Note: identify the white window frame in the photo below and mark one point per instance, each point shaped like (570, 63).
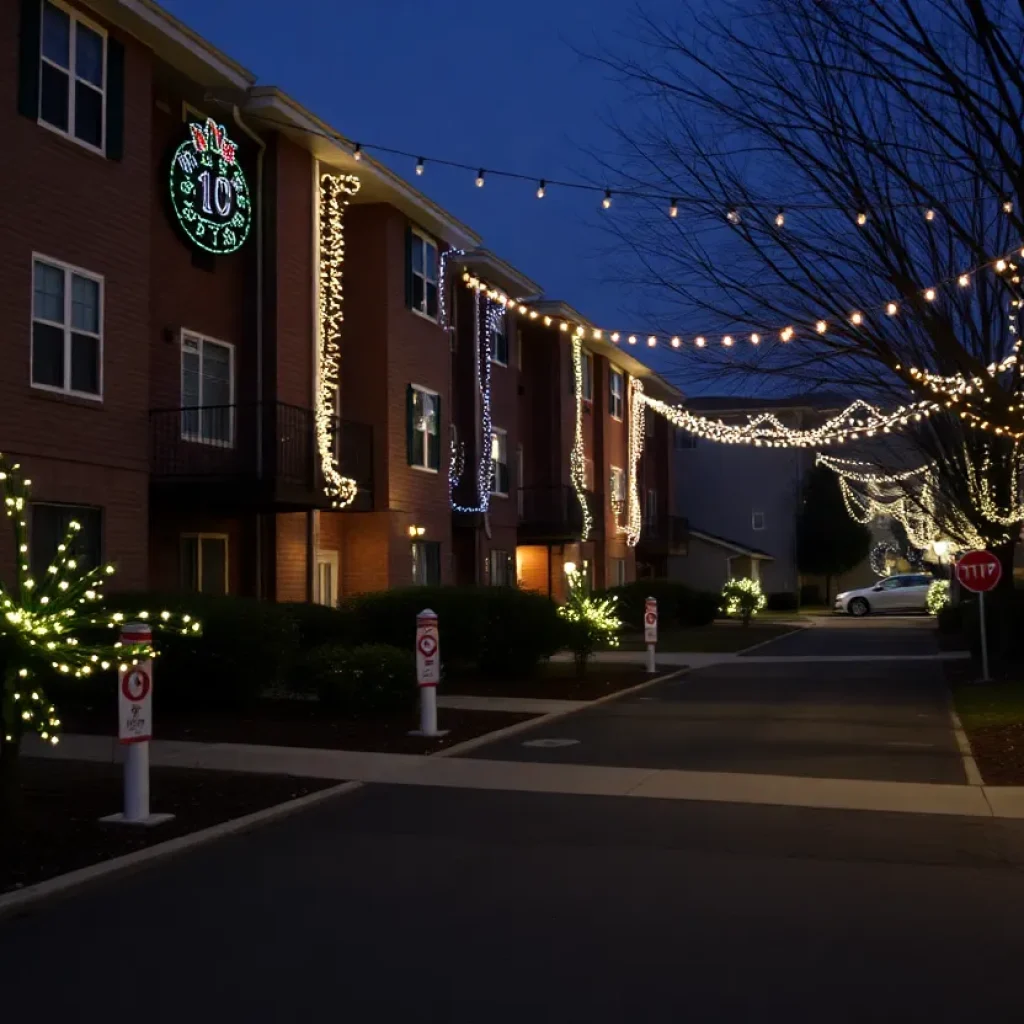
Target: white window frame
(330, 559)
(616, 398)
(496, 431)
(618, 492)
(76, 19)
(503, 316)
(423, 239)
(199, 538)
(424, 466)
(755, 517)
(68, 270)
(204, 340)
(619, 572)
(509, 568)
(587, 374)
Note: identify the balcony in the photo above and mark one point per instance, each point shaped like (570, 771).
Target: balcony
(259, 455)
(664, 535)
(552, 515)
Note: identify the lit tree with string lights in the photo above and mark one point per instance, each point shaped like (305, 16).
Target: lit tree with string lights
(53, 626)
(847, 214)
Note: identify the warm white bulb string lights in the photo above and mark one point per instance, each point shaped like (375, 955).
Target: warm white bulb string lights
(335, 190)
(577, 456)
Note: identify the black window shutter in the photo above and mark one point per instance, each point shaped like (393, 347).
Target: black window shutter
(410, 433)
(434, 440)
(115, 99)
(408, 267)
(30, 40)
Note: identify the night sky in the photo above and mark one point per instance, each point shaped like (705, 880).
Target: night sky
(496, 85)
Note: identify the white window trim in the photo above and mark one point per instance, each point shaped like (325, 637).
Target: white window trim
(612, 470)
(494, 476)
(618, 375)
(205, 340)
(199, 538)
(423, 237)
(422, 467)
(68, 269)
(76, 18)
(494, 347)
(753, 521)
(421, 542)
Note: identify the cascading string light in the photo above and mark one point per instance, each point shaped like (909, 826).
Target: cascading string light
(335, 190)
(578, 455)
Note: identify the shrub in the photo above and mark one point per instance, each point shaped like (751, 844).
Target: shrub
(491, 629)
(783, 601)
(950, 619)
(1004, 617)
(678, 604)
(367, 680)
(316, 625)
(938, 596)
(742, 597)
(246, 646)
(591, 620)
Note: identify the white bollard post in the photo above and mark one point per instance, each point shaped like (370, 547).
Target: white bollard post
(428, 672)
(135, 727)
(651, 632)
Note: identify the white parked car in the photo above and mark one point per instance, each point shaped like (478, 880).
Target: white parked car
(908, 593)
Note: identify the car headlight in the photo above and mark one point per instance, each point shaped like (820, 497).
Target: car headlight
(843, 596)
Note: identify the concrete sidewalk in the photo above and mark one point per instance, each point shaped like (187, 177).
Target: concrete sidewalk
(567, 779)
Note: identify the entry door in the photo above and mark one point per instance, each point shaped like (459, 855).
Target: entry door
(327, 578)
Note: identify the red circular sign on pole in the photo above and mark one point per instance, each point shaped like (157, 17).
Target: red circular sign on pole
(979, 571)
(427, 645)
(135, 685)
(651, 618)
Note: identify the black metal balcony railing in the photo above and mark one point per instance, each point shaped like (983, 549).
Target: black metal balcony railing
(271, 444)
(553, 513)
(666, 534)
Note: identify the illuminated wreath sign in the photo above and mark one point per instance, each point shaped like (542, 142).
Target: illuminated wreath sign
(209, 192)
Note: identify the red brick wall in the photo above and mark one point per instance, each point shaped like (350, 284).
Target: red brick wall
(74, 205)
(165, 547)
(292, 530)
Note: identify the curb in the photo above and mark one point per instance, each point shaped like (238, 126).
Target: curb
(971, 769)
(51, 888)
(512, 730)
(774, 640)
(19, 899)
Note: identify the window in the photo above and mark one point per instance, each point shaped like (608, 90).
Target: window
(588, 474)
(422, 275)
(423, 409)
(502, 573)
(651, 508)
(499, 339)
(204, 563)
(615, 385)
(426, 563)
(499, 462)
(49, 528)
(618, 572)
(683, 440)
(207, 390)
(72, 86)
(587, 366)
(757, 520)
(617, 485)
(67, 329)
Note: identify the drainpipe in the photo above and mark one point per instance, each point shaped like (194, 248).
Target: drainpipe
(237, 114)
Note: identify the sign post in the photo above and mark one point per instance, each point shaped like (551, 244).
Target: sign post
(980, 572)
(650, 630)
(428, 672)
(135, 728)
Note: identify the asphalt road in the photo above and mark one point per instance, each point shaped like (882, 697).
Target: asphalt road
(453, 906)
(873, 720)
(460, 907)
(879, 635)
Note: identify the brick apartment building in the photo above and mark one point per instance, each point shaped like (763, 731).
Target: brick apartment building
(170, 278)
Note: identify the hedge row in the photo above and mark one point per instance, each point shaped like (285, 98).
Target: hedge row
(248, 647)
(678, 604)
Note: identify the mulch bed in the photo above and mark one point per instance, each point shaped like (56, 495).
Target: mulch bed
(556, 681)
(294, 723)
(58, 830)
(999, 751)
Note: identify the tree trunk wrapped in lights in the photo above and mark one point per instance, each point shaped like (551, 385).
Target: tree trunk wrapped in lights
(52, 626)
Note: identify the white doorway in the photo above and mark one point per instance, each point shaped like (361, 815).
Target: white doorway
(327, 578)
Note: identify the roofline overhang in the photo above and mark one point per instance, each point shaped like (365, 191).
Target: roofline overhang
(269, 100)
(739, 549)
(502, 274)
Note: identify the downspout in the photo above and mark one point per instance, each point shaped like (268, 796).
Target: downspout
(262, 149)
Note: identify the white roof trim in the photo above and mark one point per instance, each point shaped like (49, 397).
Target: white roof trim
(739, 549)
